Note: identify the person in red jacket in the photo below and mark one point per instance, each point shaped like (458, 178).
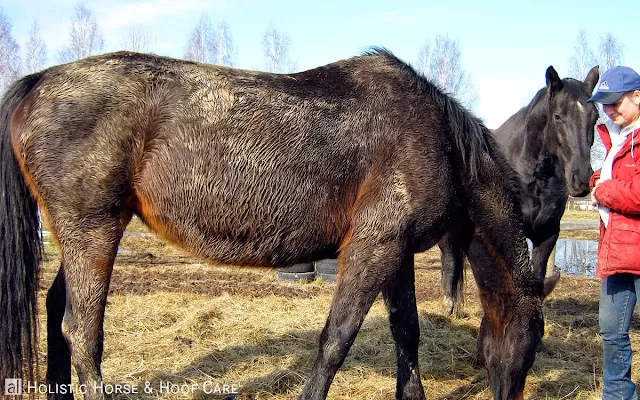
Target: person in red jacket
(616, 191)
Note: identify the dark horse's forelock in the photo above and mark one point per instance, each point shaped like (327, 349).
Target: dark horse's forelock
(538, 107)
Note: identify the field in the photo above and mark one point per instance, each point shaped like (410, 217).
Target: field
(179, 328)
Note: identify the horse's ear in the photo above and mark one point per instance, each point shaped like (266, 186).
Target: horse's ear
(554, 83)
(592, 78)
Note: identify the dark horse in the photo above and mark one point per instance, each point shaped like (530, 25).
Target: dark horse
(548, 143)
(363, 158)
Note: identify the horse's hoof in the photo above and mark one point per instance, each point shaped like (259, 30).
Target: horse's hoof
(449, 305)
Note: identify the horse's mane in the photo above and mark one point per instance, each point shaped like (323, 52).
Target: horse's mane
(471, 136)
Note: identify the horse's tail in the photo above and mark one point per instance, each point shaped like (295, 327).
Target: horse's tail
(20, 252)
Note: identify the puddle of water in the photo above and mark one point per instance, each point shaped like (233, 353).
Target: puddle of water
(577, 257)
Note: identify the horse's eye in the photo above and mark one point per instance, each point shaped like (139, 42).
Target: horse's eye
(557, 117)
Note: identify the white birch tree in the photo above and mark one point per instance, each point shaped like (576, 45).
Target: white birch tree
(276, 46)
(35, 50)
(138, 40)
(582, 59)
(440, 61)
(611, 52)
(84, 34)
(10, 65)
(211, 45)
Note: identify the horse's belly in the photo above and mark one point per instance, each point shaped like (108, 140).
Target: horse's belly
(275, 220)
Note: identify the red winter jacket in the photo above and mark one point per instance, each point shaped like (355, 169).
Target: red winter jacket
(619, 245)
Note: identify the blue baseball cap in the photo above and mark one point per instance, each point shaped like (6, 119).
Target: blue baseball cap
(615, 83)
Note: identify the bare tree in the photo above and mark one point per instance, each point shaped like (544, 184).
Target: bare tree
(582, 59)
(85, 36)
(210, 45)
(9, 54)
(137, 39)
(276, 47)
(224, 46)
(35, 50)
(200, 41)
(611, 53)
(441, 63)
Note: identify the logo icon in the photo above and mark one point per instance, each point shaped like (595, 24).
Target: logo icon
(604, 85)
(12, 387)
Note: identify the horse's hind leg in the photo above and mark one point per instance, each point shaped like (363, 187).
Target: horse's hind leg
(400, 297)
(58, 352)
(88, 248)
(452, 260)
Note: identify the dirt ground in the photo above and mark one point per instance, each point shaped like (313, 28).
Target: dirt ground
(185, 329)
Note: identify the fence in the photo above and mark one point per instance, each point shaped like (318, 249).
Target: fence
(579, 204)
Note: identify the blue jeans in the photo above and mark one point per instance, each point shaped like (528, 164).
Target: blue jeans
(617, 300)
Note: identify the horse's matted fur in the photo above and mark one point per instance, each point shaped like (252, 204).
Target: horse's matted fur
(362, 158)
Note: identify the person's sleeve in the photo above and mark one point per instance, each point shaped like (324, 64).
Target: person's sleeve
(618, 195)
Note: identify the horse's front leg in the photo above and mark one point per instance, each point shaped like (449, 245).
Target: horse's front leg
(400, 297)
(363, 270)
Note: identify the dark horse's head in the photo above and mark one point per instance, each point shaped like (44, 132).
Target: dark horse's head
(569, 127)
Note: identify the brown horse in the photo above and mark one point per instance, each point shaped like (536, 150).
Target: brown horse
(363, 158)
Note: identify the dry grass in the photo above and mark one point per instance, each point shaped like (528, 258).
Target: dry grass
(580, 215)
(171, 318)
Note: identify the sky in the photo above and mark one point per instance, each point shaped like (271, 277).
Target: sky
(506, 46)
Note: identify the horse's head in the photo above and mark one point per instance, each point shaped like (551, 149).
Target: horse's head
(570, 126)
(508, 350)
